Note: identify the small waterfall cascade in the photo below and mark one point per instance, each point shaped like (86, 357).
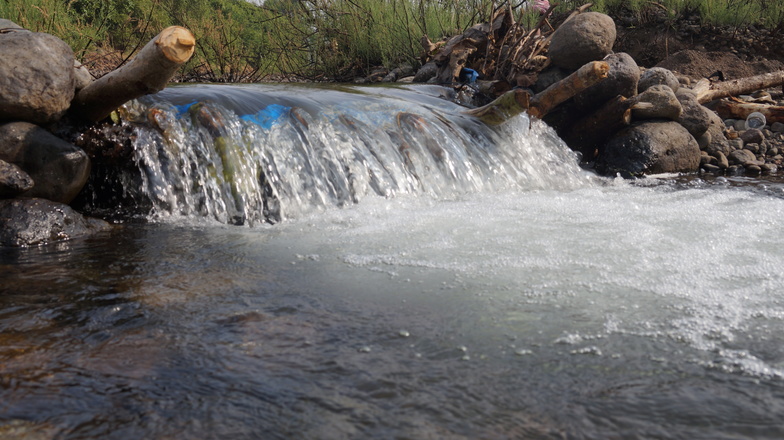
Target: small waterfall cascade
(262, 153)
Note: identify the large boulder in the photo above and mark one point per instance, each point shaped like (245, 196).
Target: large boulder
(32, 222)
(37, 81)
(587, 37)
(58, 168)
(649, 148)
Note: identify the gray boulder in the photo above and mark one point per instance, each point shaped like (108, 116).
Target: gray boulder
(649, 148)
(58, 168)
(32, 222)
(658, 76)
(37, 80)
(660, 103)
(13, 181)
(695, 116)
(587, 37)
(621, 80)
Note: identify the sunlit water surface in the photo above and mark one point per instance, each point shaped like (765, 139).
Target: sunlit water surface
(588, 310)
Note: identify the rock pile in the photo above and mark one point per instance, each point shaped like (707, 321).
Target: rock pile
(637, 121)
(39, 77)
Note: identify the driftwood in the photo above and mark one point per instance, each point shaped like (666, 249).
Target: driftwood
(707, 91)
(517, 101)
(149, 72)
(733, 109)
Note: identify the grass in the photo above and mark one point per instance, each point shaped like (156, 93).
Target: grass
(313, 39)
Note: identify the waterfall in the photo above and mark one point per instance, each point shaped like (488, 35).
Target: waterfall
(247, 154)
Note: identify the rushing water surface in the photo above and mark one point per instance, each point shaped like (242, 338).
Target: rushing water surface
(484, 286)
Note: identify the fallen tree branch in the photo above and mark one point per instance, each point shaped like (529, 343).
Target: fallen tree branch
(730, 109)
(707, 91)
(149, 72)
(517, 101)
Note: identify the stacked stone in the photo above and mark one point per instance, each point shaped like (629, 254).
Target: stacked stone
(39, 77)
(666, 122)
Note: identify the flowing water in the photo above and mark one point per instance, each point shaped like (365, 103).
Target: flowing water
(401, 272)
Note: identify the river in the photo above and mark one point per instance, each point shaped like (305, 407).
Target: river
(481, 285)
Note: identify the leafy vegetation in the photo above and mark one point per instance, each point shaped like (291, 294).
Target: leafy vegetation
(312, 39)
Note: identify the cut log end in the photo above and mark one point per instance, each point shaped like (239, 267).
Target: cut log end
(177, 44)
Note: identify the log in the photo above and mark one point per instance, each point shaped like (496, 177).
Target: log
(149, 72)
(707, 91)
(730, 109)
(517, 101)
(503, 108)
(586, 76)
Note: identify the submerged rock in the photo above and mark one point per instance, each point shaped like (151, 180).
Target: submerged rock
(650, 148)
(32, 222)
(58, 168)
(37, 81)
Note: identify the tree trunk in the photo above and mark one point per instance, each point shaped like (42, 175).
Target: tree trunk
(149, 72)
(503, 108)
(586, 76)
(707, 92)
(516, 101)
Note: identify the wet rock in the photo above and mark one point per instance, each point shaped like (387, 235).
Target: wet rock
(649, 148)
(753, 170)
(711, 168)
(13, 181)
(658, 76)
(777, 127)
(661, 104)
(398, 72)
(58, 168)
(752, 136)
(587, 37)
(36, 77)
(426, 73)
(694, 117)
(32, 222)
